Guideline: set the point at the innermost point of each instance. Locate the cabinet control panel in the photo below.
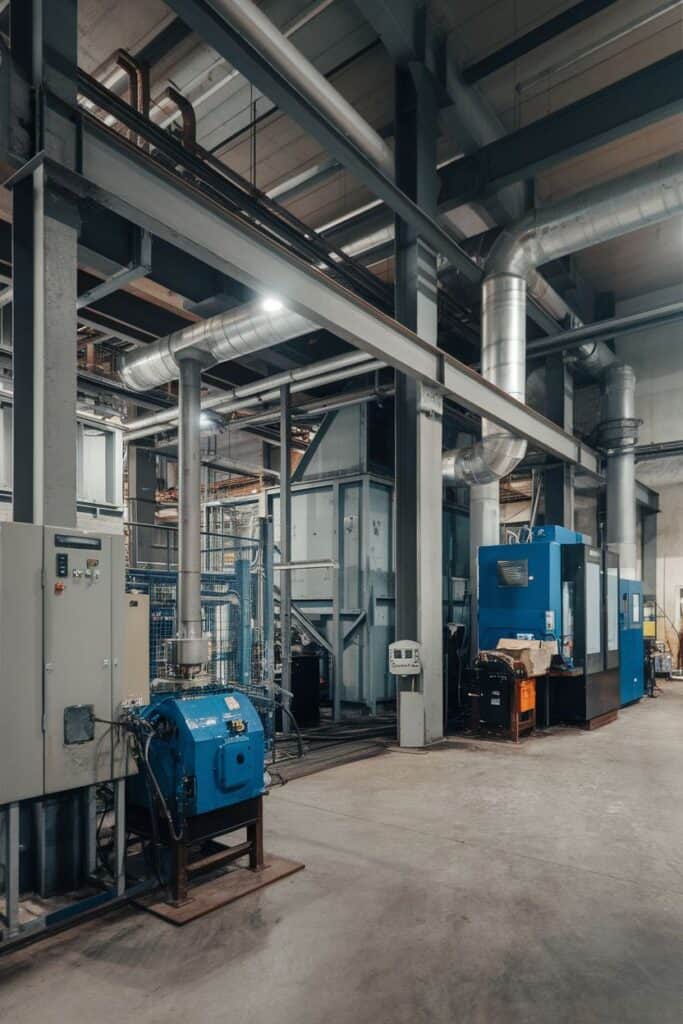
(404, 658)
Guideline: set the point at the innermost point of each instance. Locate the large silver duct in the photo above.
(619, 435)
(647, 196)
(238, 332)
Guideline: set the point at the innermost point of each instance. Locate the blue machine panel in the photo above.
(208, 752)
(631, 643)
(520, 591)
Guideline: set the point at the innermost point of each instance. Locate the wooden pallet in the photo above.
(219, 891)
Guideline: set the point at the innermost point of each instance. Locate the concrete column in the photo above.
(418, 431)
(44, 244)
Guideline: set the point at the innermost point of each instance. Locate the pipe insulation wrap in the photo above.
(647, 196)
(229, 335)
(192, 648)
(503, 362)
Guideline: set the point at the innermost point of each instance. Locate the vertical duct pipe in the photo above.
(619, 435)
(192, 647)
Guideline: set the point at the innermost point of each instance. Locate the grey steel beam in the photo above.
(662, 316)
(119, 178)
(45, 240)
(212, 26)
(647, 96)
(418, 409)
(533, 39)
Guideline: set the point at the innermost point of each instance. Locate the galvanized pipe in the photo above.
(619, 435)
(647, 196)
(503, 362)
(226, 401)
(192, 649)
(238, 332)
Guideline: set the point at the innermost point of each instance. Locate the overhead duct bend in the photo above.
(183, 354)
(647, 196)
(238, 332)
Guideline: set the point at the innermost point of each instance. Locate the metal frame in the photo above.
(534, 38)
(640, 99)
(118, 177)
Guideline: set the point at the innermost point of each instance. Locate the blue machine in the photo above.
(207, 753)
(632, 649)
(520, 587)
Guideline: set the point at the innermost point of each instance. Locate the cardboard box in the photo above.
(535, 655)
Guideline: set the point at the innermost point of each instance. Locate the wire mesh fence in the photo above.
(232, 603)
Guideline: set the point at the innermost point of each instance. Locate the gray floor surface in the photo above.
(479, 884)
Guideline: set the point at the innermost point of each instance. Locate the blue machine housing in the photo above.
(208, 753)
(505, 612)
(631, 643)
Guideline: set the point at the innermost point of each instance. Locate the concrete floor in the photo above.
(535, 884)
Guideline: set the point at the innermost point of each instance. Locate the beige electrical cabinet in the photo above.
(136, 648)
(21, 661)
(61, 659)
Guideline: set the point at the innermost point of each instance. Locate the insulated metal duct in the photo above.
(238, 332)
(647, 196)
(619, 435)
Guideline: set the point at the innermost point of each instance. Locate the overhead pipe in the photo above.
(596, 215)
(144, 426)
(230, 335)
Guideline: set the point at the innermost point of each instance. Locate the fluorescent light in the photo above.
(271, 304)
(205, 421)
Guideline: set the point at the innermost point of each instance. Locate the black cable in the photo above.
(299, 738)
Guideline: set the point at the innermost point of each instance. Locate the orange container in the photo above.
(527, 695)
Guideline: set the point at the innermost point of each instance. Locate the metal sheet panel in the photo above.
(78, 633)
(21, 650)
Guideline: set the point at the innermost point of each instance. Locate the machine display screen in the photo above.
(593, 616)
(513, 573)
(66, 540)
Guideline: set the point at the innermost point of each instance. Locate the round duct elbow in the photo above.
(484, 462)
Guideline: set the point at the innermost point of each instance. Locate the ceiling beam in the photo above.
(212, 26)
(123, 179)
(649, 95)
(534, 38)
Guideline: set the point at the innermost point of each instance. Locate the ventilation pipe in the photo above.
(647, 196)
(238, 332)
(619, 435)
(183, 354)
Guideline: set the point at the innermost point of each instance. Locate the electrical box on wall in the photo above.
(61, 635)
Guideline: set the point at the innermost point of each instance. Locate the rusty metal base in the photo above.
(218, 891)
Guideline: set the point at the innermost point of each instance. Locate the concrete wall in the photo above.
(657, 358)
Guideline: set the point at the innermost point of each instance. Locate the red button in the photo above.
(59, 588)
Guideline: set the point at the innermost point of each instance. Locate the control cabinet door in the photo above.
(78, 658)
(21, 661)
